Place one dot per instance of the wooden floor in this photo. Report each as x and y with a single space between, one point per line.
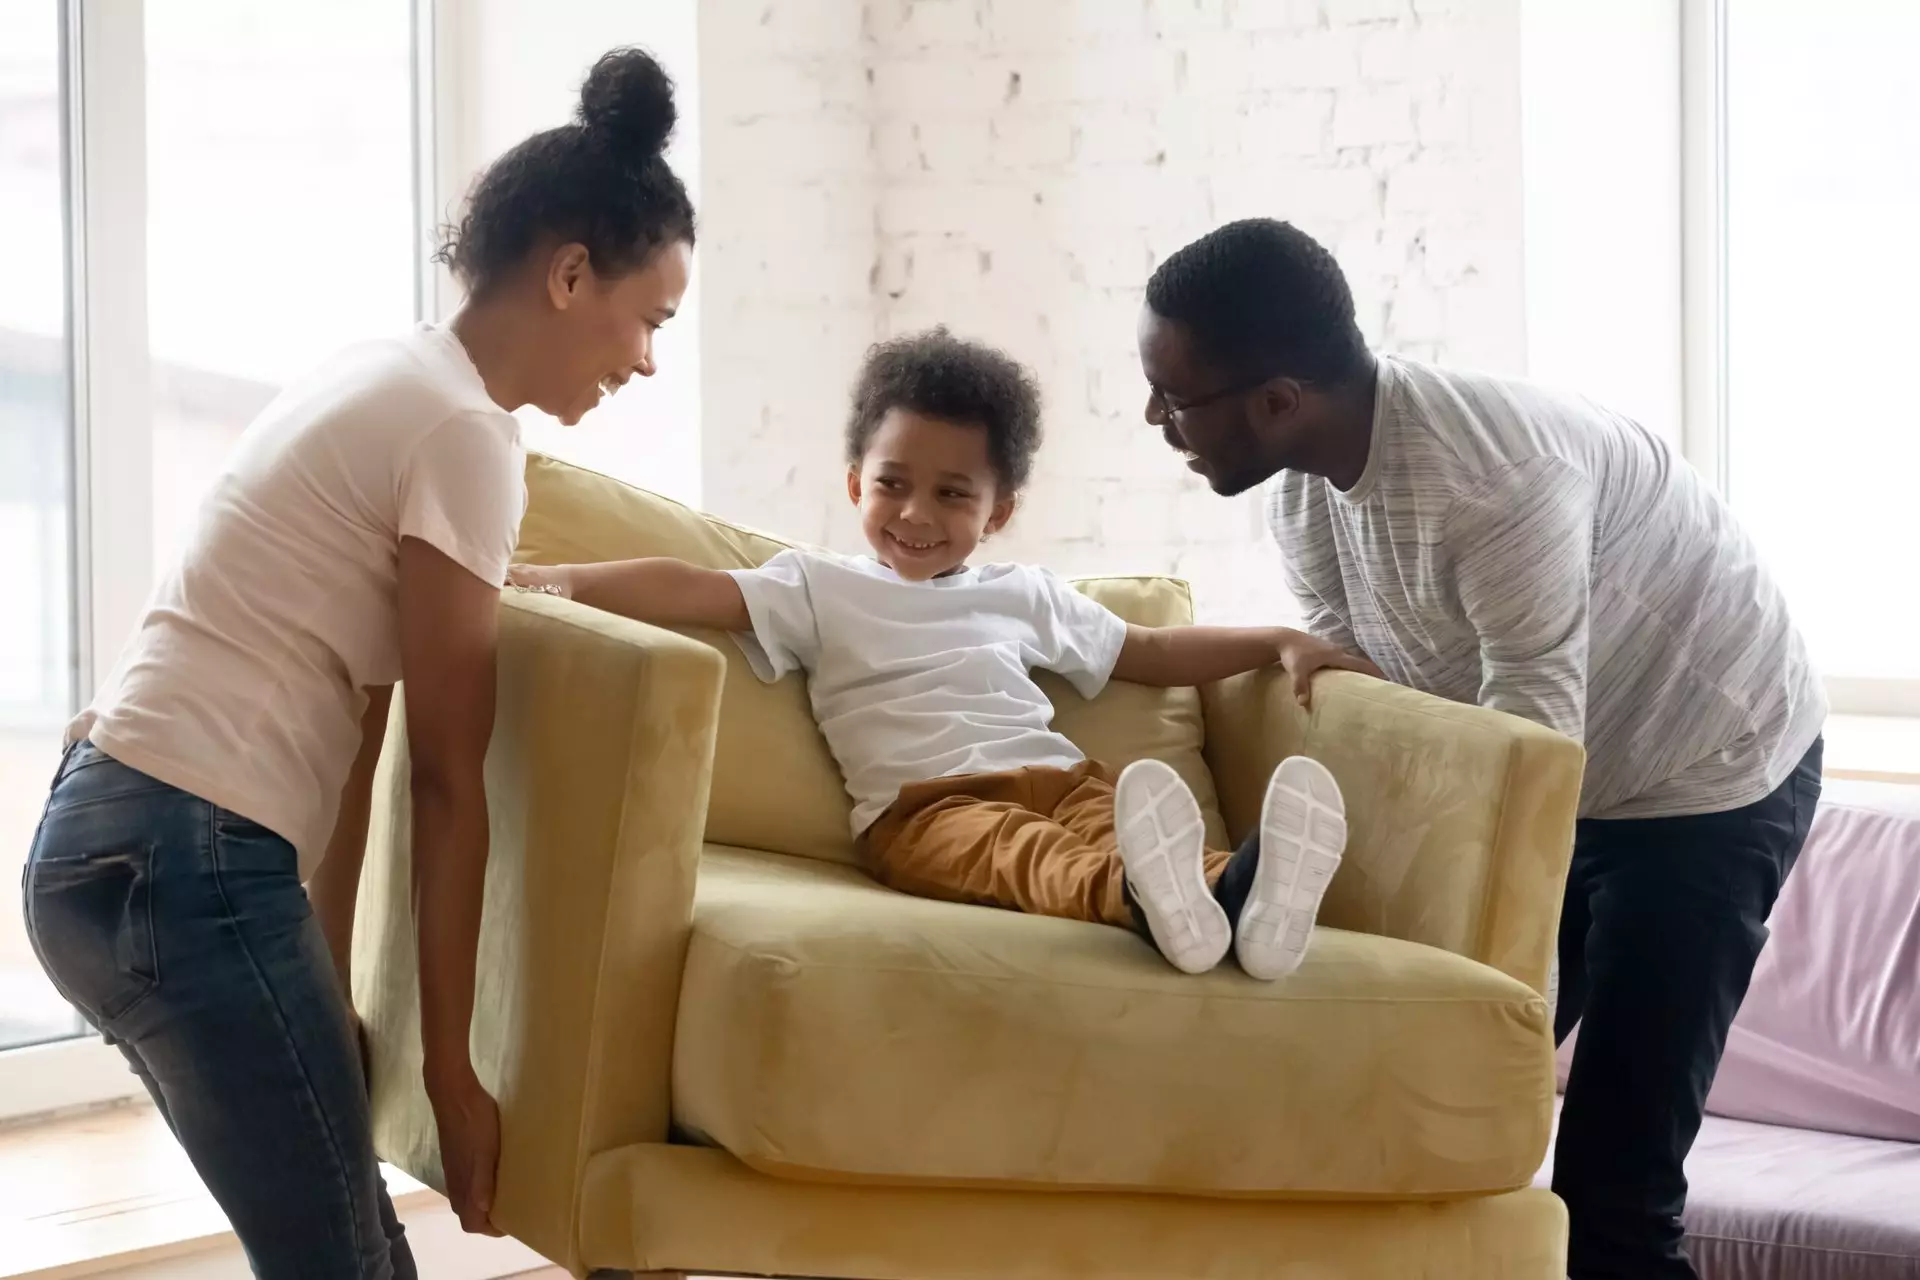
98 1186
110 1193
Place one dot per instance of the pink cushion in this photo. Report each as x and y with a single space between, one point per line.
1766 1202
1829 1036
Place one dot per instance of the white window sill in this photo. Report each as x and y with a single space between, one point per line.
1874 748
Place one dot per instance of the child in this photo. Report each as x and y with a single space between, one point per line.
918 665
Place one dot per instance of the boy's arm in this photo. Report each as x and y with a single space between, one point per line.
662 591
1170 656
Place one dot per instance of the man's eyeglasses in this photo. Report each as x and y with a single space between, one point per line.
1174 411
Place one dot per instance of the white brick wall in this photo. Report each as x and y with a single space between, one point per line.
1015 168
787 255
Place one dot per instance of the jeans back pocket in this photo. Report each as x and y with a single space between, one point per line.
91 921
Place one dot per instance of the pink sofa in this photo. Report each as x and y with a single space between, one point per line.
1808 1167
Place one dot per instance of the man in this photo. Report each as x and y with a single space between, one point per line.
1491 542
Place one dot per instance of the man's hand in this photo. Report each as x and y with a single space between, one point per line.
1304 656
551 580
469 1122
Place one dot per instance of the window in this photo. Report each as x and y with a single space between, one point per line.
272 150
277 233
1819 442
37 668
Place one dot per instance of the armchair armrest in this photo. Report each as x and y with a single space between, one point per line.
597 782
1460 820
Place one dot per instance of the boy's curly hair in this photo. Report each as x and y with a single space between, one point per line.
941 376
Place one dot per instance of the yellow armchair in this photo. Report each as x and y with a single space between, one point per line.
720 1047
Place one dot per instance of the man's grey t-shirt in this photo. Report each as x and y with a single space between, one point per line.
1535 553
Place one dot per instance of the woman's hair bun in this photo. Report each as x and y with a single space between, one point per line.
627 101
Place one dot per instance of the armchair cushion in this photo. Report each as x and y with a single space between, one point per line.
831 1029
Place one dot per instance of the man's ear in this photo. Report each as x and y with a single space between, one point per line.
1279 398
567 273
853 485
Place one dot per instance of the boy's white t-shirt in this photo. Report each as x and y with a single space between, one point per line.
244 683
918 680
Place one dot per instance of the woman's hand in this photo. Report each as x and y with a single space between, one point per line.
545 579
333 888
362 1046
469 1122
1304 656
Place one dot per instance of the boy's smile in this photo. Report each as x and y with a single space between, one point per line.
927 493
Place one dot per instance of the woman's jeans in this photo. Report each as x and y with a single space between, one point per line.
182 932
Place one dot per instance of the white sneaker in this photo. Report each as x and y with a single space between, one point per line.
1303 830
1163 844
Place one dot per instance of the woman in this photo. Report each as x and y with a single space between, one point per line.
360 535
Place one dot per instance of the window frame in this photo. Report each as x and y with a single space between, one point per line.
1703 216
1708 438
103 116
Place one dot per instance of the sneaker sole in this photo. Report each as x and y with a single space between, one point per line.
1162 841
1303 831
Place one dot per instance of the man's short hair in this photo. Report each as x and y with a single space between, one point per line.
1261 298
